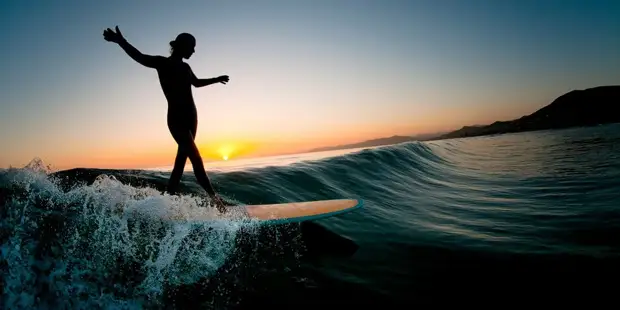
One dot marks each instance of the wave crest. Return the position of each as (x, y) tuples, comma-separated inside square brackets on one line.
[(99, 245)]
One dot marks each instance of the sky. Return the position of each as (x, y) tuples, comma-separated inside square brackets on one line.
[(303, 74)]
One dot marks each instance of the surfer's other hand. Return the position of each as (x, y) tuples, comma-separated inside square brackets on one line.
[(111, 36), (223, 79)]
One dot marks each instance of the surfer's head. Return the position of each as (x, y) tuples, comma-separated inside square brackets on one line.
[(183, 45)]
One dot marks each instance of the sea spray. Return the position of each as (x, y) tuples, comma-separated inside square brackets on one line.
[(101, 245)]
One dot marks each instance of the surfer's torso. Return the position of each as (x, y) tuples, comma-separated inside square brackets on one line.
[(175, 78)]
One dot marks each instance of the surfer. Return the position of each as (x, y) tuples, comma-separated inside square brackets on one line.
[(176, 79)]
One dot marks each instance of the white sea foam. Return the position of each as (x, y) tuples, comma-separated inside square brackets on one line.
[(80, 248)]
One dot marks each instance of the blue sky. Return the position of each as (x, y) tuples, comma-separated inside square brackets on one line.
[(303, 73)]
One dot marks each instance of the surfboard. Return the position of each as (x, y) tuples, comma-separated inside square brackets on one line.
[(269, 214), (294, 212)]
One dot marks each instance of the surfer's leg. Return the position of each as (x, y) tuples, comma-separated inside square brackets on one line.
[(181, 158), (177, 171), (187, 145)]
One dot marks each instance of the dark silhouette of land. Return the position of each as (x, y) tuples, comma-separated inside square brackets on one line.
[(589, 107)]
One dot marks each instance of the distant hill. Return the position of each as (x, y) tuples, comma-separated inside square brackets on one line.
[(589, 107), (375, 142)]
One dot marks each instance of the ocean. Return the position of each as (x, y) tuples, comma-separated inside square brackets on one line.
[(515, 219)]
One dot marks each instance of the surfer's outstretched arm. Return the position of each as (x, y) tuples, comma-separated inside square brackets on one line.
[(205, 82), (145, 60)]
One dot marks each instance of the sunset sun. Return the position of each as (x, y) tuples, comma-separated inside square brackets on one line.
[(226, 151)]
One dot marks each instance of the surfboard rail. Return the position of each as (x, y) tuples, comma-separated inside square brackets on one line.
[(292, 212)]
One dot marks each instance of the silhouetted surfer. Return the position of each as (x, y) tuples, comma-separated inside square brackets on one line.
[(176, 78)]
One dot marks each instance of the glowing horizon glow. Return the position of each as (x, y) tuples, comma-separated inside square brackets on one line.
[(303, 74)]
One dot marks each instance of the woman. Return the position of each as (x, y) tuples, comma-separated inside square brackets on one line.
[(176, 79)]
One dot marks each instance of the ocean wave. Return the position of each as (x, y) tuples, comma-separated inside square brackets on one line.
[(95, 238)]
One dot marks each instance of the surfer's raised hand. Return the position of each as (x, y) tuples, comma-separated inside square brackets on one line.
[(111, 36)]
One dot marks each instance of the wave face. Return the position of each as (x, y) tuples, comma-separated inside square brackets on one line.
[(443, 218)]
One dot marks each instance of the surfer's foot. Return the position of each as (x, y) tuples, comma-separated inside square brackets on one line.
[(221, 208), (219, 203)]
